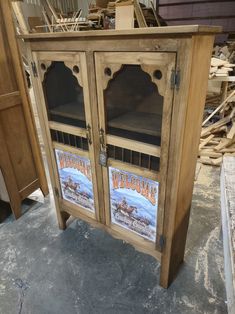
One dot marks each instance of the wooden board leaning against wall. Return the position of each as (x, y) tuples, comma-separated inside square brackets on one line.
[(21, 165), (165, 60)]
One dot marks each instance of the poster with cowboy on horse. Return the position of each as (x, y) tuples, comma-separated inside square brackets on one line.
[(134, 202), (75, 179)]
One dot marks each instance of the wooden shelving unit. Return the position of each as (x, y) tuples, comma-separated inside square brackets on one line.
[(130, 168)]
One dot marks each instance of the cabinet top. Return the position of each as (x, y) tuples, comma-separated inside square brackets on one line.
[(165, 30)]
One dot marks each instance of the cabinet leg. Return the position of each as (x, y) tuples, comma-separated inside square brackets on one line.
[(173, 253), (16, 209), (44, 189), (62, 219)]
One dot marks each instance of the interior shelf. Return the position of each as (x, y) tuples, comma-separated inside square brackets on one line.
[(72, 110), (140, 122)]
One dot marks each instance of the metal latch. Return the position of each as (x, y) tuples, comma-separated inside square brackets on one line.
[(175, 79), (57, 194), (103, 149), (34, 69), (88, 134), (162, 241)]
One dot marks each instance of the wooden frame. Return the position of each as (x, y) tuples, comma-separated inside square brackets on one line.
[(178, 50), (70, 60), (148, 62)]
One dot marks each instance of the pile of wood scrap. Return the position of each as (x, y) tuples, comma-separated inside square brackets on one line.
[(103, 14), (225, 52), (218, 133), (220, 67)]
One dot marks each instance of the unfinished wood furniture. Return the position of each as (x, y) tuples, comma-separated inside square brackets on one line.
[(227, 185), (121, 113), (21, 166)]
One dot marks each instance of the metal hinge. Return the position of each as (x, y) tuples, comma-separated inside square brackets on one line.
[(34, 68), (161, 242), (175, 79), (57, 194), (88, 134)]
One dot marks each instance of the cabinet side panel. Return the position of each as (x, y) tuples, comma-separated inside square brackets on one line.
[(19, 80), (202, 48), (7, 81), (18, 146)]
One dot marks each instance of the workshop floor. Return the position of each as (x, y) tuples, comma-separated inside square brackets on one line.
[(84, 270)]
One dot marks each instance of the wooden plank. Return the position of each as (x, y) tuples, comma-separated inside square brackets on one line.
[(225, 142), (58, 56), (224, 79), (180, 3), (139, 122), (155, 14), (90, 81), (42, 113), (87, 70), (27, 190), (70, 110), (4, 196), (15, 130), (155, 176), (149, 149), (210, 161), (209, 153), (228, 150), (214, 126), (20, 17), (231, 132), (218, 108), (67, 128), (139, 14), (206, 141), (10, 100), (182, 29), (124, 16), (70, 149)]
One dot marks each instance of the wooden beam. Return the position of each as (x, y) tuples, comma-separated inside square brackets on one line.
[(190, 18), (190, 2)]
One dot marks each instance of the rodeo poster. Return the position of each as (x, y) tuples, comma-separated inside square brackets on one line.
[(134, 202), (75, 179)]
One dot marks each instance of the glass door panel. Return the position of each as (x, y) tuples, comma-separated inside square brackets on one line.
[(68, 115), (135, 103), (63, 93)]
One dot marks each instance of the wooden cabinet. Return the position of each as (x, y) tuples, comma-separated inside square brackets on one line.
[(121, 113), (21, 166)]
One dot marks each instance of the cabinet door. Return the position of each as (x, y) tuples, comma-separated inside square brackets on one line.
[(135, 103), (65, 109)]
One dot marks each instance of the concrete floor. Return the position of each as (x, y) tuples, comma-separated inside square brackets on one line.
[(84, 270)]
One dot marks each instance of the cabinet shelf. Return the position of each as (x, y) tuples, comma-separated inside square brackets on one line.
[(139, 122), (72, 110)]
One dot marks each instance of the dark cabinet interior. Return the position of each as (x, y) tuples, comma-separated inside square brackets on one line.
[(64, 95), (133, 105)]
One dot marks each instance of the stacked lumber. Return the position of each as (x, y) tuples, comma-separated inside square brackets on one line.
[(220, 67), (103, 14), (218, 137), (225, 52)]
